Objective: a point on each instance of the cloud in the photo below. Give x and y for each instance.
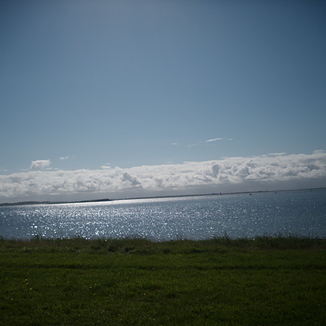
(130, 180)
(206, 141)
(64, 157)
(225, 175)
(40, 164)
(214, 139)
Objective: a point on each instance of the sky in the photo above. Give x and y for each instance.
(116, 99)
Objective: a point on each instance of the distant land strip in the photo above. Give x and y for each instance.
(152, 197)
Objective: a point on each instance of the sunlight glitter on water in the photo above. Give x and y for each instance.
(203, 217)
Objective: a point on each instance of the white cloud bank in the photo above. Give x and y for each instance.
(267, 172)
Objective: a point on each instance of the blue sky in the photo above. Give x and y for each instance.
(110, 89)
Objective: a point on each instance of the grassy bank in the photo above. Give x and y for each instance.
(266, 281)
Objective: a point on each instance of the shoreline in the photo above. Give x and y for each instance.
(266, 242)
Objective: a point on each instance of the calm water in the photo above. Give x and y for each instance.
(301, 213)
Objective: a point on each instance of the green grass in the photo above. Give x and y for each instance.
(265, 281)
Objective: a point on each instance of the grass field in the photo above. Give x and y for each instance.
(265, 281)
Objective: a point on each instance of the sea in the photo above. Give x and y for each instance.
(300, 213)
